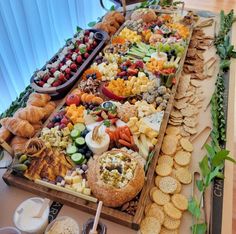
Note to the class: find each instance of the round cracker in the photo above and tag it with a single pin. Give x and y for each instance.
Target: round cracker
(168, 184)
(160, 198)
(163, 169)
(150, 225)
(157, 213)
(182, 158)
(166, 159)
(170, 223)
(172, 211)
(166, 231)
(172, 130)
(177, 166)
(179, 187)
(186, 144)
(169, 144)
(152, 190)
(180, 201)
(157, 180)
(183, 175)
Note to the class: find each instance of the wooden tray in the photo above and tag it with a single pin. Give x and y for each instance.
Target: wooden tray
(111, 214)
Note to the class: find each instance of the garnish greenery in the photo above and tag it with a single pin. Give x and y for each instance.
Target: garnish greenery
(211, 167)
(212, 164)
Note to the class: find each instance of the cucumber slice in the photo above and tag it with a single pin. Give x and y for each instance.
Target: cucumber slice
(80, 141)
(77, 158)
(75, 133)
(71, 149)
(79, 126)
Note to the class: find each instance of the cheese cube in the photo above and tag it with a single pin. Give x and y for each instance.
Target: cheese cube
(87, 191)
(68, 179)
(77, 179)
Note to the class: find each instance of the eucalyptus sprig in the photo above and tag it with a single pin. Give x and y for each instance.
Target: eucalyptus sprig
(211, 167)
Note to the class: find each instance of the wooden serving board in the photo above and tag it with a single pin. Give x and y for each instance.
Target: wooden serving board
(111, 214)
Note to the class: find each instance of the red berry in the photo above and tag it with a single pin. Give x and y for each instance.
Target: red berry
(65, 120)
(86, 32)
(56, 83)
(73, 67)
(78, 42)
(67, 71)
(41, 83)
(60, 65)
(79, 59)
(45, 78)
(86, 55)
(77, 51)
(52, 70)
(95, 43)
(86, 39)
(123, 73)
(67, 76)
(62, 77)
(89, 47)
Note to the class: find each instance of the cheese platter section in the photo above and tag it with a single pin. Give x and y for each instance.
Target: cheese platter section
(103, 140)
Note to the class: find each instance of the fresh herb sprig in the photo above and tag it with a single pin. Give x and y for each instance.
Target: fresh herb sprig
(18, 103)
(211, 167)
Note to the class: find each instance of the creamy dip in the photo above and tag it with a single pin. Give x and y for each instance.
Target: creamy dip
(24, 216)
(64, 226)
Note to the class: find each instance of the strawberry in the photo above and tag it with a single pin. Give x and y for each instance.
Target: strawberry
(67, 70)
(56, 83)
(139, 63)
(95, 43)
(98, 118)
(62, 77)
(113, 121)
(52, 70)
(86, 32)
(41, 83)
(86, 39)
(128, 63)
(132, 72)
(79, 59)
(45, 78)
(86, 55)
(67, 76)
(123, 73)
(73, 67)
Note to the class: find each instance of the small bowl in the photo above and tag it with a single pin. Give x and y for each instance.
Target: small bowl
(58, 219)
(102, 229)
(9, 230)
(110, 94)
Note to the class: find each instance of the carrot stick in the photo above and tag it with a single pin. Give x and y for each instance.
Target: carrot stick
(131, 140)
(116, 134)
(125, 137)
(125, 143)
(127, 131)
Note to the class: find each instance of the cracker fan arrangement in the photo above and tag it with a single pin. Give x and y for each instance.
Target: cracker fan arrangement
(130, 115)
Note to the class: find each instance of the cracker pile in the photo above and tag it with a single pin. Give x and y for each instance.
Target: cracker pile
(194, 63)
(188, 101)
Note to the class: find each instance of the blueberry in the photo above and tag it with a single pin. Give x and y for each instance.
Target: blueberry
(88, 76)
(125, 77)
(124, 68)
(81, 150)
(84, 167)
(54, 119)
(88, 154)
(58, 118)
(84, 133)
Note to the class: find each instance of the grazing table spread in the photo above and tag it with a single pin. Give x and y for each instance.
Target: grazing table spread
(131, 129)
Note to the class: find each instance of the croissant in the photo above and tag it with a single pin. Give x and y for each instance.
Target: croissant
(18, 126)
(18, 144)
(48, 109)
(32, 114)
(37, 126)
(5, 134)
(38, 99)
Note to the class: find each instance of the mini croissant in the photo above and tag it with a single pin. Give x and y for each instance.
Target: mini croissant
(18, 126)
(32, 114)
(38, 99)
(18, 144)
